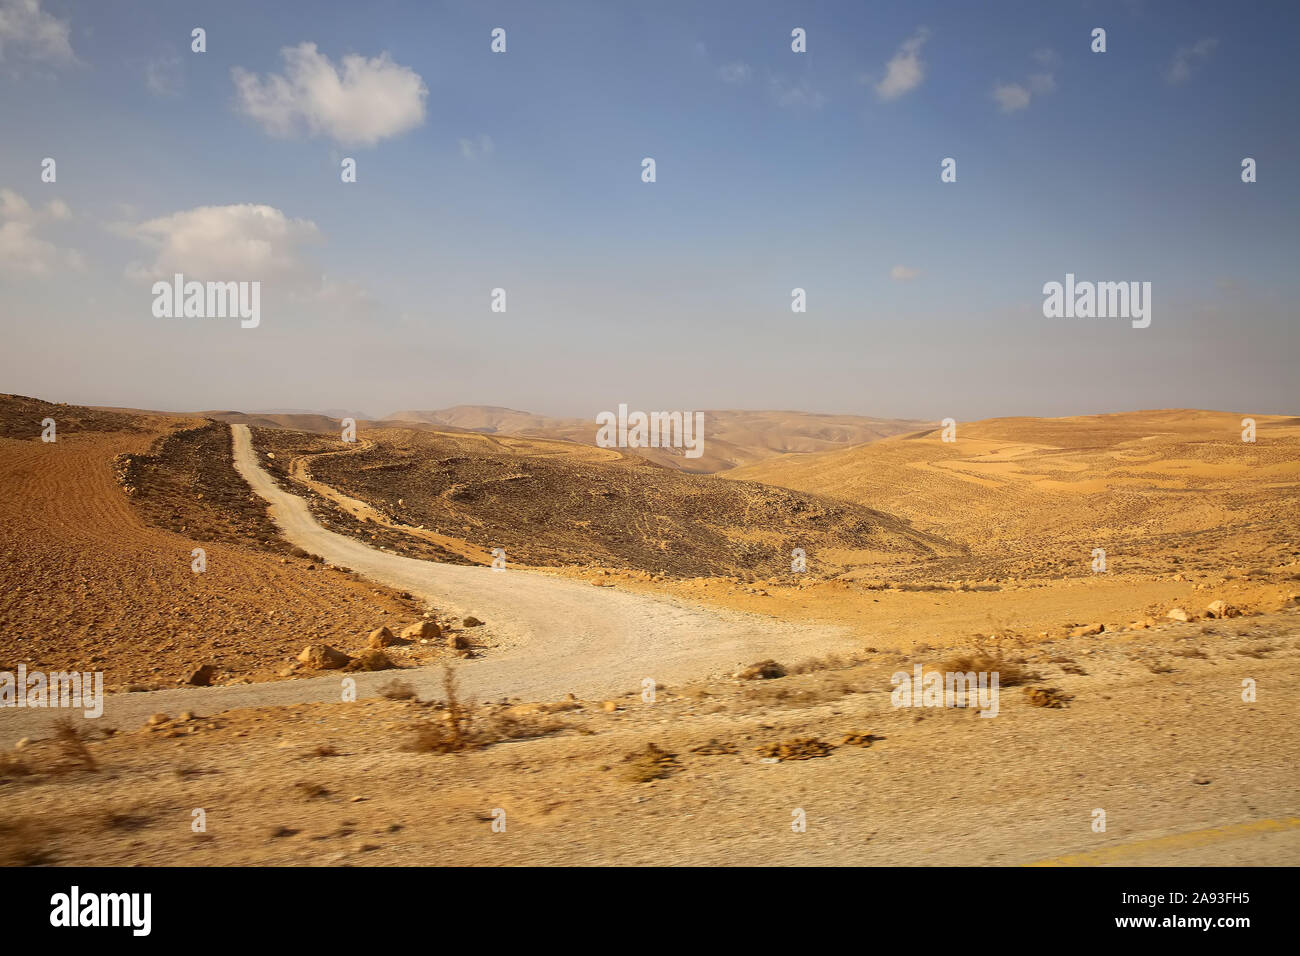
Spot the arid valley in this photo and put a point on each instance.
(472, 636)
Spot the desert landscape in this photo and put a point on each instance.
(645, 678)
(694, 435)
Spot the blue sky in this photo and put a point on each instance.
(775, 170)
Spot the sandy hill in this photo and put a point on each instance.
(731, 438)
(1178, 487)
(553, 502)
(300, 421)
(97, 532)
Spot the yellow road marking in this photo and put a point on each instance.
(1175, 841)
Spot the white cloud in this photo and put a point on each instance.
(22, 252)
(364, 101)
(906, 70)
(28, 32)
(903, 273)
(1011, 97)
(1187, 57)
(1017, 96)
(735, 74)
(801, 94)
(225, 243)
(477, 148)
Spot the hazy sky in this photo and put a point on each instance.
(522, 170)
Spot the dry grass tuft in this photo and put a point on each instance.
(1048, 697)
(72, 745)
(798, 748)
(458, 730)
(649, 764)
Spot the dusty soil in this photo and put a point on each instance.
(1120, 708)
(1154, 732)
(89, 583)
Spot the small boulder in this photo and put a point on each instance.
(382, 637)
(371, 659)
(203, 676)
(323, 657)
(1178, 614)
(763, 670)
(456, 642)
(413, 632)
(1087, 630)
(472, 621)
(1221, 609)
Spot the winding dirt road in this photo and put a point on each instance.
(556, 636)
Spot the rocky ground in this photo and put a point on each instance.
(1151, 729)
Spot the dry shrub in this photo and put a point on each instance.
(649, 764)
(763, 670)
(798, 748)
(860, 740)
(398, 690)
(988, 656)
(1047, 697)
(311, 790)
(72, 744)
(458, 729)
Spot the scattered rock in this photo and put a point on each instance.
(382, 637)
(456, 642)
(1178, 614)
(1221, 609)
(323, 657)
(1088, 630)
(371, 659)
(609, 706)
(763, 670)
(413, 632)
(157, 720)
(202, 677)
(472, 621)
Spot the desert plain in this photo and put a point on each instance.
(471, 636)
